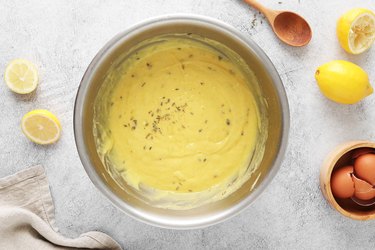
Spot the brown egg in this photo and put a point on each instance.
(363, 190)
(364, 168)
(342, 184)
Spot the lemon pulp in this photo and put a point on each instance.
(21, 76)
(356, 30)
(41, 126)
(179, 122)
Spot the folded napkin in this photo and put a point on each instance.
(27, 216)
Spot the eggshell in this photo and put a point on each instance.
(363, 190)
(342, 184)
(364, 168)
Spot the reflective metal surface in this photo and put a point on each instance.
(271, 87)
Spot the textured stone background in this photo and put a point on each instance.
(62, 37)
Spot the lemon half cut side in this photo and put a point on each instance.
(41, 127)
(356, 30)
(21, 76)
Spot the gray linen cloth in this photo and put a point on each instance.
(27, 219)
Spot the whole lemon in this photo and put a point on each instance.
(343, 82)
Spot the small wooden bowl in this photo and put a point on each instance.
(340, 156)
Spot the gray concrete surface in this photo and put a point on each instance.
(62, 37)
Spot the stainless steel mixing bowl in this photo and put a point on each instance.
(271, 87)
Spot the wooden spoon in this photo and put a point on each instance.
(288, 26)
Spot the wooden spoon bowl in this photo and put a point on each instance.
(292, 29)
(288, 26)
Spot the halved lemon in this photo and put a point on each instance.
(21, 76)
(41, 126)
(356, 30)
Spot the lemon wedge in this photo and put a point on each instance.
(343, 82)
(356, 30)
(21, 76)
(41, 126)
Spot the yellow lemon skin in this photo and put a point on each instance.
(41, 127)
(343, 82)
(345, 27)
(21, 76)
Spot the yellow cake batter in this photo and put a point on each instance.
(180, 123)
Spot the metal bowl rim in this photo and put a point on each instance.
(122, 205)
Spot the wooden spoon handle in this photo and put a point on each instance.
(255, 4)
(270, 14)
